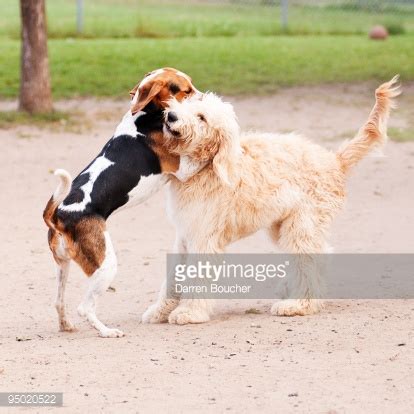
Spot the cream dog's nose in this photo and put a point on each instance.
(172, 117)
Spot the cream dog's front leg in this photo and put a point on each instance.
(195, 310)
(159, 311)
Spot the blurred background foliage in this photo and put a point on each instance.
(230, 46)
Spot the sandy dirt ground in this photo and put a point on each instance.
(355, 356)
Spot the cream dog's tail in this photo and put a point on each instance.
(374, 132)
(58, 196)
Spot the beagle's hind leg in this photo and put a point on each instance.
(62, 259)
(98, 260)
(62, 273)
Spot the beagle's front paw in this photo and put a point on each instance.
(111, 333)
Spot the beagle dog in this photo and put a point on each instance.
(130, 168)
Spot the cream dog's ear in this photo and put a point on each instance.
(225, 160)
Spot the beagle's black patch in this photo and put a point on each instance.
(104, 185)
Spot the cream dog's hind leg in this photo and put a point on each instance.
(300, 234)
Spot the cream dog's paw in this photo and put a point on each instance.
(154, 314)
(296, 307)
(184, 315)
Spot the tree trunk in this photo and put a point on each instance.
(35, 93)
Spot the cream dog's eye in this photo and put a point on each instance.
(201, 117)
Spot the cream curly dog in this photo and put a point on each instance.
(279, 182)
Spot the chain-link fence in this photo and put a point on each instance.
(173, 18)
(197, 18)
(346, 16)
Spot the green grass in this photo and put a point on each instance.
(251, 65)
(226, 46)
(11, 118)
(401, 134)
(183, 18)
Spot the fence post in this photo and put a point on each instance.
(79, 16)
(284, 14)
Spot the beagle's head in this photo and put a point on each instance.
(157, 87)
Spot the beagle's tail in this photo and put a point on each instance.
(374, 132)
(58, 196)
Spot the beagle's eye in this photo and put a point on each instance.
(188, 91)
(201, 117)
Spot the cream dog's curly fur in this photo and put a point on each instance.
(282, 183)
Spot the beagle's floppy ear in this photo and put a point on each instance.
(133, 91)
(145, 96)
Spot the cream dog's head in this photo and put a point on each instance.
(205, 129)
